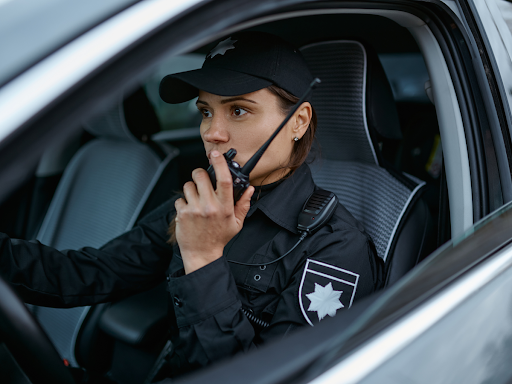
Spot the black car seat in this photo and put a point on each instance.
(103, 191)
(356, 110)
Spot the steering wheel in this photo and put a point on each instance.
(27, 342)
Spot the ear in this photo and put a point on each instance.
(302, 120)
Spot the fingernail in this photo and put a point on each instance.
(215, 153)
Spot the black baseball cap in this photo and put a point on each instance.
(241, 63)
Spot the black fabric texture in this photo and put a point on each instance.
(184, 86)
(206, 320)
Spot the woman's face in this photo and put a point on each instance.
(245, 122)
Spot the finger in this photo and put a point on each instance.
(203, 184)
(190, 192)
(224, 180)
(244, 204)
(179, 204)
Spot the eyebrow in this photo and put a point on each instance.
(225, 101)
(236, 98)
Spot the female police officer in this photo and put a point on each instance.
(220, 306)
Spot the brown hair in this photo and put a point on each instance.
(300, 148)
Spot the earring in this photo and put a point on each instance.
(296, 138)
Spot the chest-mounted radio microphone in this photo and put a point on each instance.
(317, 210)
(241, 174)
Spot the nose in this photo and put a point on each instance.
(216, 132)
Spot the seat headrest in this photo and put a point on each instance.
(354, 102)
(132, 119)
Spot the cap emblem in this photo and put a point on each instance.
(222, 47)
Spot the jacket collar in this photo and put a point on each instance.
(284, 204)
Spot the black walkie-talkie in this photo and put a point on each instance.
(241, 174)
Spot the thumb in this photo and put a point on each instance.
(244, 204)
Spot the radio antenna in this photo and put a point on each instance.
(251, 163)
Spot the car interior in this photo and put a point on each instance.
(387, 145)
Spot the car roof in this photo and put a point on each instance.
(53, 23)
(365, 28)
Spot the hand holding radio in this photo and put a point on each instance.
(207, 219)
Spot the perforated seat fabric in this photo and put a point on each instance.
(373, 196)
(339, 100)
(349, 105)
(100, 196)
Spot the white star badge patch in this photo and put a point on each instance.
(222, 47)
(324, 301)
(325, 289)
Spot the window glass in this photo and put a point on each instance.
(407, 74)
(505, 8)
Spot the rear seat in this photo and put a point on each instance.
(106, 187)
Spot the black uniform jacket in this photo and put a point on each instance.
(326, 273)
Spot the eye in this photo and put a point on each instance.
(205, 112)
(238, 111)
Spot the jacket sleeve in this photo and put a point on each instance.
(210, 323)
(130, 263)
